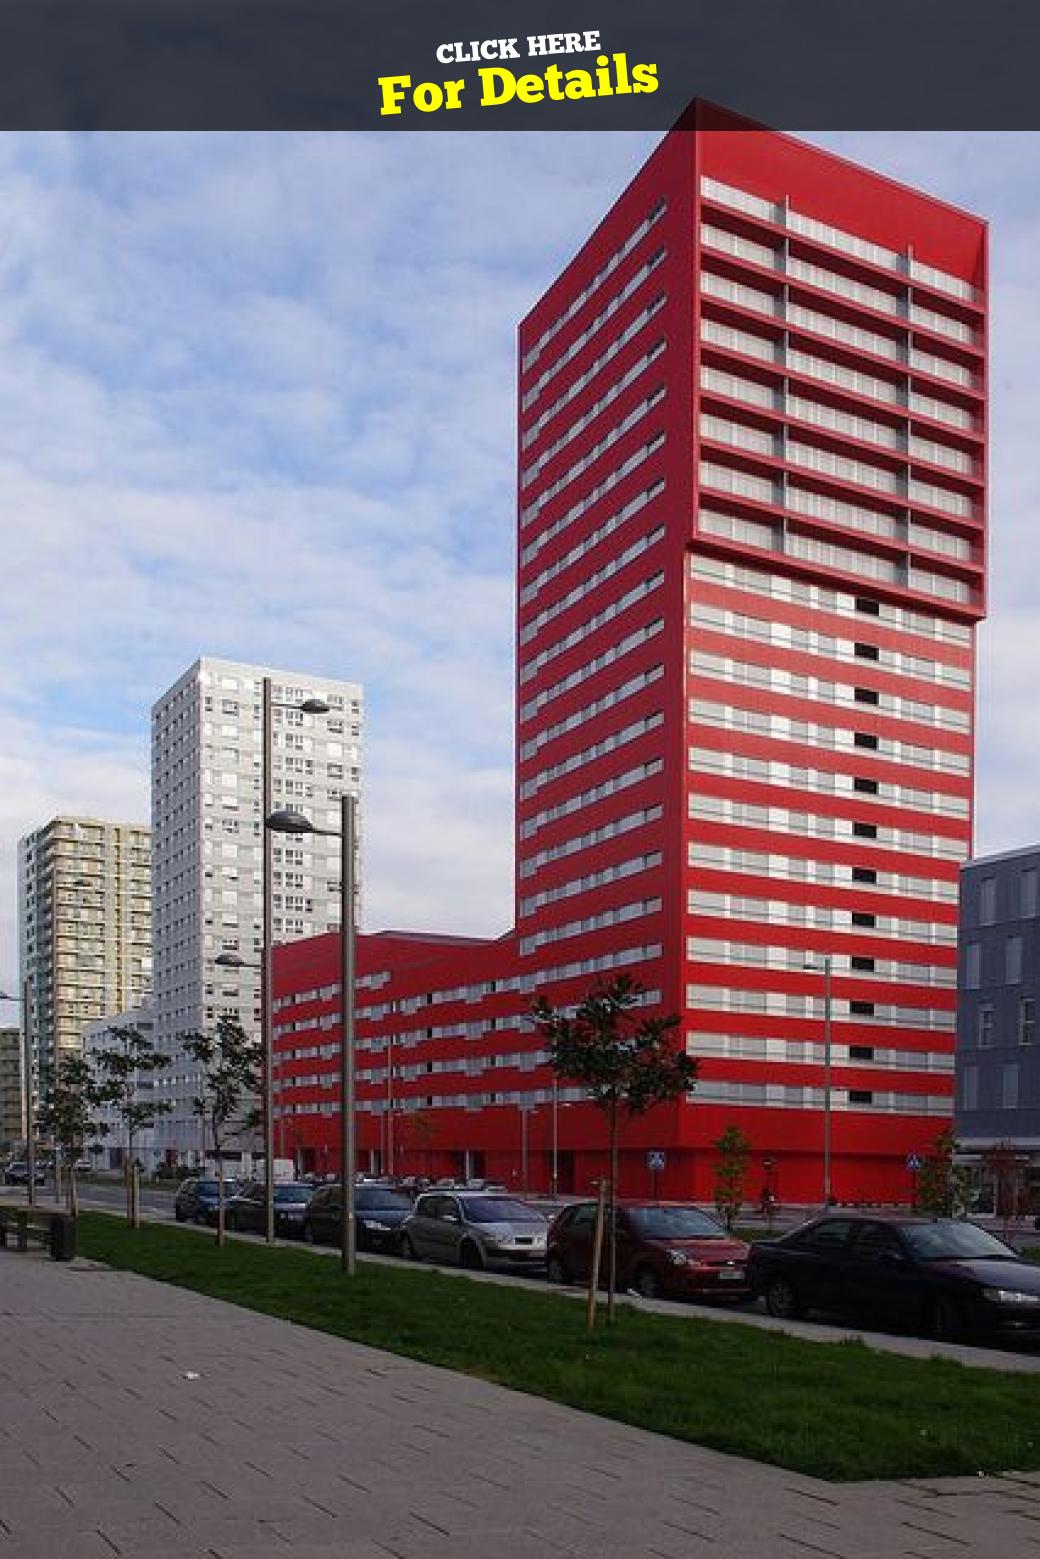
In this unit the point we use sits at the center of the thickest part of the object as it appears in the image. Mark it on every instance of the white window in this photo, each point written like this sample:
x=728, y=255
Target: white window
x=988, y=901
x=1027, y=892
x=973, y=966
x=1009, y=1086
x=1013, y=960
x=985, y=1028
x=1026, y=1020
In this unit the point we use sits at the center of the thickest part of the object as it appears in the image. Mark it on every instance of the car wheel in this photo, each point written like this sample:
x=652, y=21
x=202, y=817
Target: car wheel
x=946, y=1320
x=782, y=1299
x=555, y=1271
x=200, y=1218
x=231, y=1223
x=408, y=1250
x=470, y=1257
x=647, y=1283
x=178, y=1215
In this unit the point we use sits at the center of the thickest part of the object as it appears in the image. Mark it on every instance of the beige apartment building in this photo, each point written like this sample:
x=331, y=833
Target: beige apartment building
x=12, y=1126
x=85, y=927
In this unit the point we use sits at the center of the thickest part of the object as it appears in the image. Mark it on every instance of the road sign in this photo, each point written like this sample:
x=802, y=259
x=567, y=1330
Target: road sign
x=913, y=1163
x=655, y=1159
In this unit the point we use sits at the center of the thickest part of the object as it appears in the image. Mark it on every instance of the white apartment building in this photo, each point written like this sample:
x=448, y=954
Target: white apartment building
x=108, y=1149
x=85, y=927
x=207, y=855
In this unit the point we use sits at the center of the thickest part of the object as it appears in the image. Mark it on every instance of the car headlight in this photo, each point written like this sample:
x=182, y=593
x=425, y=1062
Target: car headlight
x=678, y=1258
x=1010, y=1296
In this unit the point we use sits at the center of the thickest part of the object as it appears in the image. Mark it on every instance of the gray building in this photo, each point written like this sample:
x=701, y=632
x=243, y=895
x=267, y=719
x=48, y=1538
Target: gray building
x=998, y=1057
x=207, y=849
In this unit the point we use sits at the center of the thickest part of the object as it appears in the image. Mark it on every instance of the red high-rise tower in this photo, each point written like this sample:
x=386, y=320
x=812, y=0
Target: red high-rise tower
x=751, y=505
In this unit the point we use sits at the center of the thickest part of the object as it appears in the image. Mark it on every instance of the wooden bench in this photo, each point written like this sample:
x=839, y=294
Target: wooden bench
x=48, y=1227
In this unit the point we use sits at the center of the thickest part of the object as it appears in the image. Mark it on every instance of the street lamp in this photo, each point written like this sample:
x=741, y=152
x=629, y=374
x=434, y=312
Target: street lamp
x=825, y=967
x=288, y=821
x=554, y=1178
x=23, y=1001
x=309, y=706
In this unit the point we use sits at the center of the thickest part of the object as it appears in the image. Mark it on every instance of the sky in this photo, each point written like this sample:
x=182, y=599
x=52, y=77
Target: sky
x=257, y=401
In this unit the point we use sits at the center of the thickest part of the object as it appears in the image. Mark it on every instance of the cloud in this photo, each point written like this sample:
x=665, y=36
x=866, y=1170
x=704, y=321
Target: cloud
x=257, y=399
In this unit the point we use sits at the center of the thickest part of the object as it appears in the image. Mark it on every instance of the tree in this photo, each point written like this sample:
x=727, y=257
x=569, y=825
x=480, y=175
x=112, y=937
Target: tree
x=229, y=1062
x=120, y=1071
x=733, y=1150
x=942, y=1185
x=66, y=1113
x=627, y=1062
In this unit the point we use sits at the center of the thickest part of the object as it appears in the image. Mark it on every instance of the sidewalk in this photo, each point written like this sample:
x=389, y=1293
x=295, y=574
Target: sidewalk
x=139, y=1421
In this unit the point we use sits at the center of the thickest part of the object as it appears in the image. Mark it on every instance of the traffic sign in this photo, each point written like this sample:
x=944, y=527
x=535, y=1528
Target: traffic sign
x=913, y=1163
x=655, y=1159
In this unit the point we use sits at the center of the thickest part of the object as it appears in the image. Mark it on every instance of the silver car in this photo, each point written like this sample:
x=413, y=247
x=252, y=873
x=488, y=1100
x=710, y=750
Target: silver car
x=474, y=1229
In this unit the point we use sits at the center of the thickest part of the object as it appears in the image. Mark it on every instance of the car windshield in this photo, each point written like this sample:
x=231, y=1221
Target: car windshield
x=675, y=1223
x=949, y=1240
x=498, y=1209
x=292, y=1193
x=387, y=1201
x=209, y=1187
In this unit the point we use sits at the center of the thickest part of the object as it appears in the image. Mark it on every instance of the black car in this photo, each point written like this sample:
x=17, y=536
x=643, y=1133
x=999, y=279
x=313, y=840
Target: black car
x=196, y=1200
x=943, y=1276
x=379, y=1212
x=248, y=1209
x=18, y=1174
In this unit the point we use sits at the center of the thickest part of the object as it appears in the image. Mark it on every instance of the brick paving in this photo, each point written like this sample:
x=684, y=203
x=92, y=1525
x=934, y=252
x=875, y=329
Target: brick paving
x=139, y=1421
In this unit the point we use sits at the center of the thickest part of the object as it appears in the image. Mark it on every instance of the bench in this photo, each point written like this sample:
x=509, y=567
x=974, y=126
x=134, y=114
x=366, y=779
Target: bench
x=54, y=1230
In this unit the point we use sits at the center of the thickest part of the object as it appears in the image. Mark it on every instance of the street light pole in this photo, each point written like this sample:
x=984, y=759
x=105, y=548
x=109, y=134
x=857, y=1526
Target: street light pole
x=826, y=964
x=555, y=1177
x=348, y=1150
x=266, y=963
x=27, y=1072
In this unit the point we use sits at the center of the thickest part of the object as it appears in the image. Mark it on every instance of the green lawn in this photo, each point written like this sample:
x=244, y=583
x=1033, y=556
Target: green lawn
x=837, y=1411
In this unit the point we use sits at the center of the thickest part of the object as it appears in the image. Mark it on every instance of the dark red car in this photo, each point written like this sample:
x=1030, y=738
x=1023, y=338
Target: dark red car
x=667, y=1248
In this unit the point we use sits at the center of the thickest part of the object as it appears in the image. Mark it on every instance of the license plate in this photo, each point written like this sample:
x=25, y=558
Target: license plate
x=731, y=1275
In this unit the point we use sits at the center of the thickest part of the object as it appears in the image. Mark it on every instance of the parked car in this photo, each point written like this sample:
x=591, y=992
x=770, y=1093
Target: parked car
x=248, y=1208
x=196, y=1200
x=940, y=1275
x=669, y=1248
x=472, y=1229
x=18, y=1174
x=379, y=1212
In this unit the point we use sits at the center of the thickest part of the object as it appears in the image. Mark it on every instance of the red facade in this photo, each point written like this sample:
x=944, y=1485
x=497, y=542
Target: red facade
x=751, y=505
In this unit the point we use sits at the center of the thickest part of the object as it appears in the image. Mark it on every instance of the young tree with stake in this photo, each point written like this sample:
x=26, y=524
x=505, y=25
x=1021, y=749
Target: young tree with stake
x=120, y=1071
x=66, y=1113
x=229, y=1061
x=627, y=1063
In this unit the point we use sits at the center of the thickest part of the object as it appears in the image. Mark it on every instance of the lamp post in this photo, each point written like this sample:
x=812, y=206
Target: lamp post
x=825, y=966
x=309, y=706
x=525, y=1111
x=24, y=1002
x=554, y=1178
x=289, y=821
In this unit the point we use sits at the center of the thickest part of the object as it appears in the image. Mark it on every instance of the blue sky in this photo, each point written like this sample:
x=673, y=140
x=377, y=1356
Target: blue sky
x=256, y=399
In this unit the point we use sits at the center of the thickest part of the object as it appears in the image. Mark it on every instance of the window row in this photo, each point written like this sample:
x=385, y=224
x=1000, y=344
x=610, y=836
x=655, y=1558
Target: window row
x=825, y=917
x=792, y=960
x=534, y=586
x=530, y=865
x=590, y=923
x=988, y=1032
x=620, y=254
x=782, y=1004
x=591, y=668
x=707, y=760
x=843, y=695
x=815, y=825
x=584, y=379
x=808, y=1052
x=618, y=301
x=836, y=238
x=592, y=880
x=800, y=868
x=600, y=749
x=529, y=669
x=531, y=473
x=779, y=1096
x=993, y=964
x=824, y=598
x=813, y=641
x=842, y=739
x=591, y=582
x=610, y=438
x=592, y=497
x=610, y=787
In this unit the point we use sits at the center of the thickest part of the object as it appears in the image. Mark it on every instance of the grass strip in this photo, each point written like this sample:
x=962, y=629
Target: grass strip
x=838, y=1411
